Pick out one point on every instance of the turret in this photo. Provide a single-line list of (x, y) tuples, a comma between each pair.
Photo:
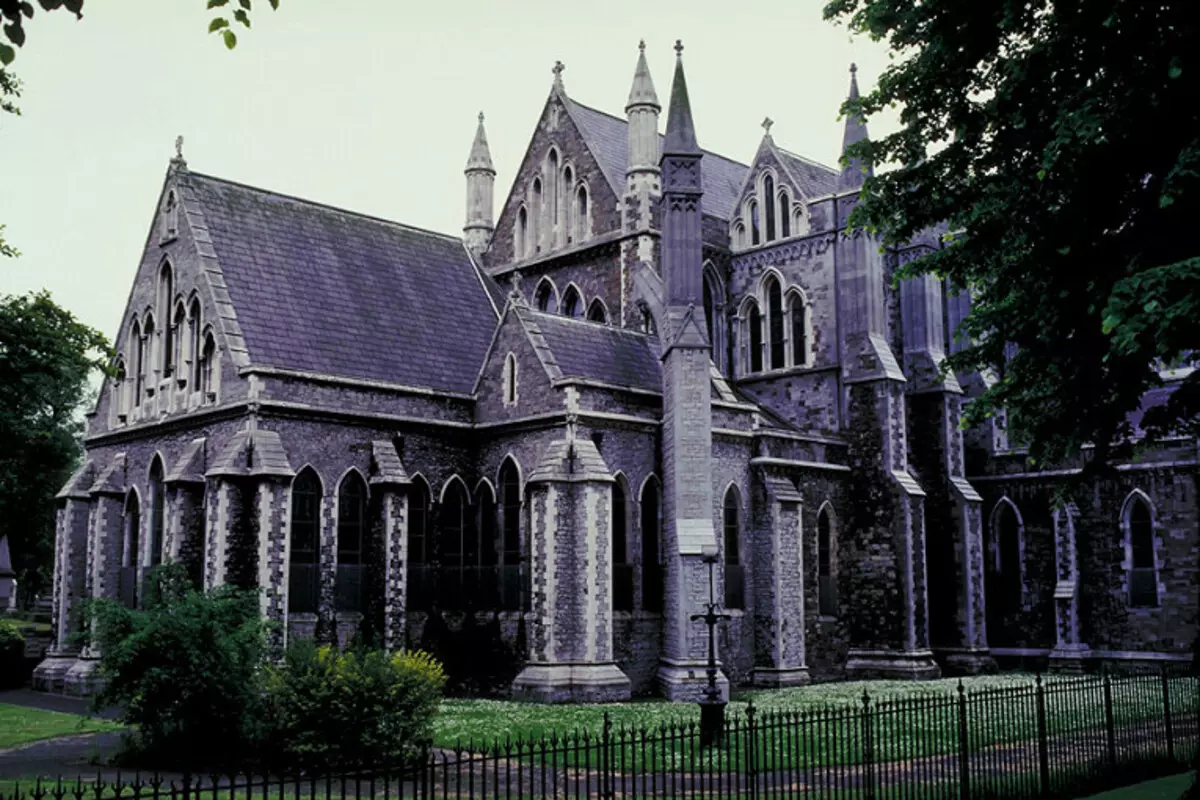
[(856, 131), (642, 111), (481, 177)]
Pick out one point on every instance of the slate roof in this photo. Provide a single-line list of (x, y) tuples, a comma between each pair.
[(602, 352), (609, 140), (323, 290), (814, 179)]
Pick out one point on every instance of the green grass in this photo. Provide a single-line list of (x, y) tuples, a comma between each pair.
[(20, 725), (1160, 789)]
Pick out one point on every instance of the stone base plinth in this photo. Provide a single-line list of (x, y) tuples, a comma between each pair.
[(571, 683), (967, 661), (777, 677), (687, 681), (1068, 659), (51, 673), (82, 679), (905, 665)]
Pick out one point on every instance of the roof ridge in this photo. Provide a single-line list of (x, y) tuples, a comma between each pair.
[(317, 204), (592, 325), (624, 121), (806, 159)]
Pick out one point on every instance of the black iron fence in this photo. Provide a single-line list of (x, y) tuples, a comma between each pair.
[(1053, 738)]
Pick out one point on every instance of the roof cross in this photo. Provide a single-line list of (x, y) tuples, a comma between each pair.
[(558, 71), (766, 124), (679, 48), (179, 146)]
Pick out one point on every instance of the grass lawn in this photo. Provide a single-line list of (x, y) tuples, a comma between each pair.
[(20, 725), (1160, 789)]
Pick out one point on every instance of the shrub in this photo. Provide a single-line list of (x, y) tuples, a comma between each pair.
[(12, 655), (331, 710), (186, 671)]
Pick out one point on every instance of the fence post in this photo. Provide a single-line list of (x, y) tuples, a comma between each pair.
[(964, 748), (1110, 726), (607, 782), (868, 748), (750, 765), (1166, 694), (1043, 738)]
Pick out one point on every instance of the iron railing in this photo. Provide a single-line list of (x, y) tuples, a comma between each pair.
[(1061, 737)]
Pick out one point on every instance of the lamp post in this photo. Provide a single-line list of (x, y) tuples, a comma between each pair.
[(712, 707)]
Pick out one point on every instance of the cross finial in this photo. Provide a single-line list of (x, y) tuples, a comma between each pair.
[(558, 71), (642, 45), (515, 282), (480, 117), (853, 68), (179, 146), (679, 48), (766, 124)]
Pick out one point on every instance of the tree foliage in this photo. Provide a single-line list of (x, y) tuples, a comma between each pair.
[(46, 357), (1058, 141)]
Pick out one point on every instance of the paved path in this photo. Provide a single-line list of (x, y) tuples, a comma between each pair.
[(65, 755)]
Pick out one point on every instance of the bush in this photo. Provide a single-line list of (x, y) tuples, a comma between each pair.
[(12, 655), (331, 710), (187, 671)]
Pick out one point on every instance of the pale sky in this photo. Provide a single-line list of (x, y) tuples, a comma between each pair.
[(372, 110)]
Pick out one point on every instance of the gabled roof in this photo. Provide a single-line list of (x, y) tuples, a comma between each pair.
[(323, 290), (608, 138), (603, 353), (812, 178)]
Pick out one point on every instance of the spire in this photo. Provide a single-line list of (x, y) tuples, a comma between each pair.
[(642, 91), (481, 156), (856, 131), (681, 131)]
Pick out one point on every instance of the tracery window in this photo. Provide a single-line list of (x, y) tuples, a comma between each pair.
[(351, 542), (303, 568), (1143, 566)]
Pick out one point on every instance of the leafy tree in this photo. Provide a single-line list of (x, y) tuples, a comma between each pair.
[(1059, 142), (46, 357)]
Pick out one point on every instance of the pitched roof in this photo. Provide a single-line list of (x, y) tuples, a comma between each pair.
[(609, 140), (323, 290), (602, 353), (814, 179)]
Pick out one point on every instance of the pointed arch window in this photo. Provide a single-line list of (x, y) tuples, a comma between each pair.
[(127, 579), (572, 303), (568, 212), (303, 567), (1005, 579), (785, 213), (178, 336), (1139, 544), (753, 336), (171, 217), (510, 537), (545, 298), (539, 211), (622, 570), (827, 598), (138, 346), (510, 380), (459, 548), (521, 243), (552, 227), (739, 236), (208, 357), (652, 569), (797, 313), (118, 393), (351, 542), (581, 214), (775, 324), (148, 355), (735, 575), (799, 224), (752, 213), (166, 290), (710, 310), (597, 312), (769, 203), (193, 353), (420, 576), (158, 511)]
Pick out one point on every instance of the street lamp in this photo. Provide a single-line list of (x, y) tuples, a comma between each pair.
[(712, 707)]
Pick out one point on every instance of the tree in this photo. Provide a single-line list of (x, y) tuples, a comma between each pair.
[(1059, 143), (46, 357)]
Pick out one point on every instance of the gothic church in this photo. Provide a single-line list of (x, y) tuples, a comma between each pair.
[(654, 362)]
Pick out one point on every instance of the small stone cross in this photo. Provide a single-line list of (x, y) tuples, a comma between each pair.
[(179, 146), (679, 48), (558, 71), (515, 282), (766, 124)]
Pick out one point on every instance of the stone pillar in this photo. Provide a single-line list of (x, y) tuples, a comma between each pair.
[(570, 641), (272, 507), (222, 510), (395, 579), (779, 618), (71, 560), (1068, 653), (326, 631)]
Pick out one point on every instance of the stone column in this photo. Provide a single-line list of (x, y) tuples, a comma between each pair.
[(223, 508), (272, 507), (1068, 653), (570, 640), (779, 619), (390, 480)]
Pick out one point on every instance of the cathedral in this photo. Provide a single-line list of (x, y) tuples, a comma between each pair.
[(657, 374)]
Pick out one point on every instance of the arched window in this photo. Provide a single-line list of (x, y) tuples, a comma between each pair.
[(775, 324), (521, 243), (735, 576), (166, 289), (552, 221), (510, 536), (1139, 544), (710, 310), (622, 570), (652, 571), (785, 213), (539, 212), (798, 322), (754, 339), (1006, 594), (127, 578), (194, 342), (351, 542), (303, 566), (568, 212), (178, 324), (458, 546), (739, 236), (826, 577), (138, 347), (149, 355), (752, 214), (158, 511), (208, 357), (581, 214), (171, 217), (798, 221), (510, 380), (546, 298), (420, 577), (769, 202), (597, 312), (118, 392), (572, 303)]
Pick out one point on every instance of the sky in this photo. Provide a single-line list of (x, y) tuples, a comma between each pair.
[(368, 105)]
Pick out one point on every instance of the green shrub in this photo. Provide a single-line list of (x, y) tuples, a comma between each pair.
[(331, 710), (12, 655), (187, 671)]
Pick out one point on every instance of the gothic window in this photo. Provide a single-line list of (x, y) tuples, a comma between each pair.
[(165, 293), (178, 324), (194, 341), (769, 203), (652, 570), (739, 236), (539, 211), (552, 226), (118, 393), (752, 213), (458, 546), (572, 303), (714, 315), (486, 587), (351, 541), (170, 217), (710, 310), (303, 559), (568, 180), (622, 570), (797, 312), (752, 337), (138, 347), (148, 355), (127, 578), (735, 575), (581, 214), (826, 577), (158, 511), (1004, 598), (597, 312), (521, 240), (785, 214), (510, 380), (510, 536), (419, 581), (775, 323), (208, 357), (798, 221), (546, 298), (1139, 547)]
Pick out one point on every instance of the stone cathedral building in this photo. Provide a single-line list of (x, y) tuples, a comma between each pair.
[(651, 356)]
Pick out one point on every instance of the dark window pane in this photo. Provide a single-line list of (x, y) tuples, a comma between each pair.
[(769, 192), (756, 332), (775, 320)]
